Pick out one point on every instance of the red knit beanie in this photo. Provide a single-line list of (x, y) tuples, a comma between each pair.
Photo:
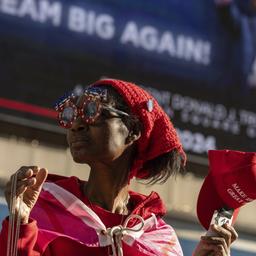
[(158, 135)]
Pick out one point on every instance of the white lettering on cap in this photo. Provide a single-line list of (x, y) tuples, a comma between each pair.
[(238, 194), (233, 194)]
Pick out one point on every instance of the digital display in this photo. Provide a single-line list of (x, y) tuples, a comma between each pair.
[(186, 61)]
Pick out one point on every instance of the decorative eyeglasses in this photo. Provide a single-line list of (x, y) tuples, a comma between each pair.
[(91, 104)]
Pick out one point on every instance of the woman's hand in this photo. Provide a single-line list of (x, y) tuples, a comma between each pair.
[(218, 244), (30, 180)]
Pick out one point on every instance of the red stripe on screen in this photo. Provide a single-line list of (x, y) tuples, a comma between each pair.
[(28, 108)]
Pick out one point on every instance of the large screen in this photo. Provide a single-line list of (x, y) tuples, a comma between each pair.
[(201, 69)]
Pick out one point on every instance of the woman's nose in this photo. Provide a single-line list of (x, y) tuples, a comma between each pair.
[(78, 125)]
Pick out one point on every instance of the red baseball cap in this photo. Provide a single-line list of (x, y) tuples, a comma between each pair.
[(231, 183)]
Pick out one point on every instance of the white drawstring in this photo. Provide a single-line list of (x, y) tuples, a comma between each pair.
[(116, 233), (14, 219)]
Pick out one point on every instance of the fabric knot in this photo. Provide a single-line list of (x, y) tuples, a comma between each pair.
[(116, 233)]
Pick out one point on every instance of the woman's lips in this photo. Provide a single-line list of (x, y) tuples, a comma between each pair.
[(79, 143)]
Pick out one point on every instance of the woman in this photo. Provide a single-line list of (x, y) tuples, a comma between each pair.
[(121, 132)]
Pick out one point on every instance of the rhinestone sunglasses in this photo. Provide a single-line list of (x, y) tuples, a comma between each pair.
[(91, 104)]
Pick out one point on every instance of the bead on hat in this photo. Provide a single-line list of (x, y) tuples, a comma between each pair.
[(150, 105)]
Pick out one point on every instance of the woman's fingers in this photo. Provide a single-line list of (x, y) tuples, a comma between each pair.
[(227, 232), (217, 244), (29, 183), (27, 176), (23, 184), (214, 250), (223, 232), (220, 244), (211, 246), (233, 232), (40, 179), (27, 171), (24, 178)]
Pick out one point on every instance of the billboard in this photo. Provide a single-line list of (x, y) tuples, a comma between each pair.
[(187, 40), (204, 124), (201, 69)]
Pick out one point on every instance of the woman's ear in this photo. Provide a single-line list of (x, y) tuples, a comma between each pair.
[(132, 137), (134, 130)]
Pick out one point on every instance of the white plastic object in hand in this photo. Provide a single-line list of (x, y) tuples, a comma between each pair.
[(221, 217)]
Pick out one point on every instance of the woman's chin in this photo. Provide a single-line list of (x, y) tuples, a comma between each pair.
[(79, 160), (78, 157)]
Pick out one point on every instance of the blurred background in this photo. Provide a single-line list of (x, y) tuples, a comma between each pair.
[(197, 57)]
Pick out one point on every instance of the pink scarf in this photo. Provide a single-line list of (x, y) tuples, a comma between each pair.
[(151, 236)]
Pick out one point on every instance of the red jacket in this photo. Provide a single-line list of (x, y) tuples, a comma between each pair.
[(53, 230)]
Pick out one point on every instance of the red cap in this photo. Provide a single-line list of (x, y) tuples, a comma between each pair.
[(158, 134), (231, 182)]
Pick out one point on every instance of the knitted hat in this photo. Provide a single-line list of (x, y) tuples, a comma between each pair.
[(158, 135)]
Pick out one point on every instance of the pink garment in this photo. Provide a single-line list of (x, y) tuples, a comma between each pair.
[(65, 221)]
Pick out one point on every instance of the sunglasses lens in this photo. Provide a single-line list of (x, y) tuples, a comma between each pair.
[(90, 109), (67, 115)]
